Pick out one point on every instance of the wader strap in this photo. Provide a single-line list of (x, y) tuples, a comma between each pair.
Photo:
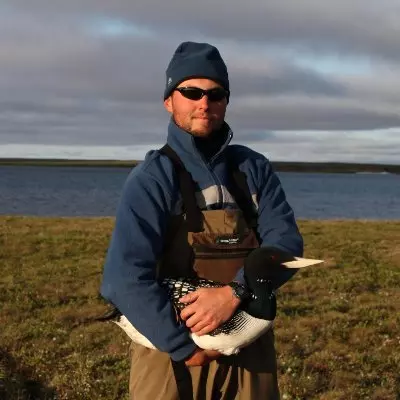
[(183, 380), (241, 192), (194, 216)]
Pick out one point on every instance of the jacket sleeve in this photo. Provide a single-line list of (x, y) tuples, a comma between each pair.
[(276, 222), (129, 277)]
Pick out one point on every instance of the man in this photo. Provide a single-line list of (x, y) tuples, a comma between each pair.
[(152, 239)]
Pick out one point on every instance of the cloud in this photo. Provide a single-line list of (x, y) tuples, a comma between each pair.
[(303, 24), (312, 146), (92, 73), (324, 146)]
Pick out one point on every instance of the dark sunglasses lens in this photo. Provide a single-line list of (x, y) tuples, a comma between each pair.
[(192, 93), (216, 94)]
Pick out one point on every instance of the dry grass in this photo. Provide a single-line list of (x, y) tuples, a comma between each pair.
[(337, 326)]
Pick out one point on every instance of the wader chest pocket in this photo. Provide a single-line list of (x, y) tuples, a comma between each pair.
[(219, 257)]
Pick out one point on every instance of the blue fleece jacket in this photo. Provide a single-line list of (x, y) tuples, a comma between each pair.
[(149, 197)]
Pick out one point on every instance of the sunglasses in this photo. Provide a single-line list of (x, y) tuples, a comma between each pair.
[(195, 93)]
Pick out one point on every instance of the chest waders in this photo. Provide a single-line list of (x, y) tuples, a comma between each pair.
[(210, 244)]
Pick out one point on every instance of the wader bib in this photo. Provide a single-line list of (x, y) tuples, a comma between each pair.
[(210, 244)]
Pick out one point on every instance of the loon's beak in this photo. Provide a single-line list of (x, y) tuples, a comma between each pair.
[(299, 262)]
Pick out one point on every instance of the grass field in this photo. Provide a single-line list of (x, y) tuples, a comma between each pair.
[(337, 328)]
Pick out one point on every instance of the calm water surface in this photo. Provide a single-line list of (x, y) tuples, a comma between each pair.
[(75, 191)]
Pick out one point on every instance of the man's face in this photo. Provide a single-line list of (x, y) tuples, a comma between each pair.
[(198, 117)]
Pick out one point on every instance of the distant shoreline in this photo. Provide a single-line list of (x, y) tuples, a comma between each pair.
[(280, 166)]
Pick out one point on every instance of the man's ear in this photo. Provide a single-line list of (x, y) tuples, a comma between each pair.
[(168, 104)]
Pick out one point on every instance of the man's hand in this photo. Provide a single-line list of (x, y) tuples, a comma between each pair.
[(209, 308), (202, 357)]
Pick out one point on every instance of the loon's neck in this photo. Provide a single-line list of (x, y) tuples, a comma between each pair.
[(263, 302)]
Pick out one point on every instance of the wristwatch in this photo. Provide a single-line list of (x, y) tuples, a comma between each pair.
[(240, 291)]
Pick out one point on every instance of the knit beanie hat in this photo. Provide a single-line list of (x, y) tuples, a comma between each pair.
[(195, 60)]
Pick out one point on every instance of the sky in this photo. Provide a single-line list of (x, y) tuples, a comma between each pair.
[(311, 80)]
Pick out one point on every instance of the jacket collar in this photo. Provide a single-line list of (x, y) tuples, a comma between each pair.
[(184, 145)]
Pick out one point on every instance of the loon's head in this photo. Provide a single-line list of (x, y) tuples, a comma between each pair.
[(262, 268)]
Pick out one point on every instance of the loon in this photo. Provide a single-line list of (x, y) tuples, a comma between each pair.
[(251, 320)]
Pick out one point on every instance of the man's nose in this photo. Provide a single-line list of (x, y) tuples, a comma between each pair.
[(204, 102)]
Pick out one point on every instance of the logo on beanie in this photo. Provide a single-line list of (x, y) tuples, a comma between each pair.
[(169, 81)]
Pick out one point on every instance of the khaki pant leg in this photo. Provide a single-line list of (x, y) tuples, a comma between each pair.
[(257, 386), (151, 375), (257, 370), (214, 382), (252, 375)]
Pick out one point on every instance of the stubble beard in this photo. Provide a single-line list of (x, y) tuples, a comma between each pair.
[(213, 126)]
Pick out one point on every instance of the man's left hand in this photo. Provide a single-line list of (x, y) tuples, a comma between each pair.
[(209, 308)]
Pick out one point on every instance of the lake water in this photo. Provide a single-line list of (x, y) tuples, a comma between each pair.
[(75, 191)]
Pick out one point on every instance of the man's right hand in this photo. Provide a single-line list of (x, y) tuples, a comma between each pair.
[(202, 357)]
